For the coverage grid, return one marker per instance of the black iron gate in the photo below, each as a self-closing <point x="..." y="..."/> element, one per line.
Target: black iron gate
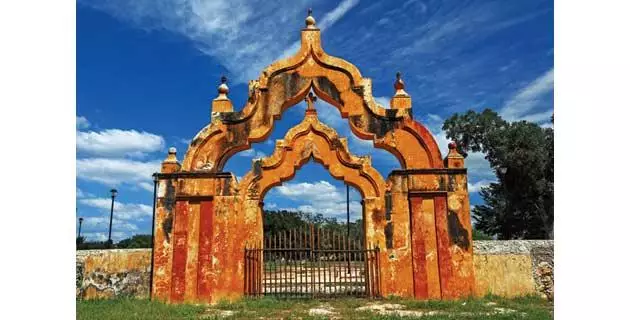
<point x="312" y="262"/>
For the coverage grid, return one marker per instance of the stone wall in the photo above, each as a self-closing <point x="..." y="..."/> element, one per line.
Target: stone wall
<point x="505" y="268"/>
<point x="116" y="272"/>
<point x="513" y="268"/>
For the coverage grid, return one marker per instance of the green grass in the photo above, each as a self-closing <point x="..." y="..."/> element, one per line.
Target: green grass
<point x="270" y="308"/>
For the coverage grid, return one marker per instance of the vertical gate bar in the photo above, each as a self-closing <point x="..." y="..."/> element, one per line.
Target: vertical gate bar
<point x="327" y="256"/>
<point x="368" y="271"/>
<point x="283" y="246"/>
<point x="290" y="264"/>
<point x="301" y="236"/>
<point x="305" y="265"/>
<point x="312" y="261"/>
<point x="266" y="264"/>
<point x="347" y="260"/>
<point x="275" y="267"/>
<point x="285" y="260"/>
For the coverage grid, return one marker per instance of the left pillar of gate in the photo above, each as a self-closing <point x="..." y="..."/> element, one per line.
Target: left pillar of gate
<point x="199" y="237"/>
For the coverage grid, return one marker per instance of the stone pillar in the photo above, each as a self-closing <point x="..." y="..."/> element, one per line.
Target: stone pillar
<point x="163" y="242"/>
<point x="455" y="232"/>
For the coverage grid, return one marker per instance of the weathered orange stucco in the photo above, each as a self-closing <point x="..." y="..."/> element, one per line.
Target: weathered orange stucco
<point x="205" y="217"/>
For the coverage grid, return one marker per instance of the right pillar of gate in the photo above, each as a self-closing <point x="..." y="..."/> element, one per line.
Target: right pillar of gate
<point x="434" y="240"/>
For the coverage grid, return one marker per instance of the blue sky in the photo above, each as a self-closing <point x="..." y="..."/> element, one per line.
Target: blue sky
<point x="147" y="71"/>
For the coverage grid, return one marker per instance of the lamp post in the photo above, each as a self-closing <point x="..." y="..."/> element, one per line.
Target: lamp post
<point x="80" y="223"/>
<point x="114" y="192"/>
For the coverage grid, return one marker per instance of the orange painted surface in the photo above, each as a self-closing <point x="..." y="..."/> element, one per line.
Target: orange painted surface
<point x="420" y="278"/>
<point x="200" y="238"/>
<point x="204" y="285"/>
<point x="180" y="251"/>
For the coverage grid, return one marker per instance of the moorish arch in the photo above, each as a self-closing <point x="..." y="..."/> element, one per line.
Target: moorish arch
<point x="418" y="215"/>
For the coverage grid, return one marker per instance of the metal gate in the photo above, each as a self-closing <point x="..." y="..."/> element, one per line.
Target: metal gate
<point x="312" y="262"/>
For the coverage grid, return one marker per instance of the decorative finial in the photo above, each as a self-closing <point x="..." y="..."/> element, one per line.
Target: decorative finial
<point x="310" y="21"/>
<point x="452" y="145"/>
<point x="399" y="85"/>
<point x="310" y="102"/>
<point x="172" y="156"/>
<point x="223" y="88"/>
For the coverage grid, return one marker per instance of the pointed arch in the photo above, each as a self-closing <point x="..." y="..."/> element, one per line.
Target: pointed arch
<point x="285" y="83"/>
<point x="308" y="140"/>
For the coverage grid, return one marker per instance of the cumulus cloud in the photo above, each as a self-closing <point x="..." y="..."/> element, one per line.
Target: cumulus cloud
<point x="82" y="122"/>
<point x="118" y="143"/>
<point x="319" y="197"/>
<point x="113" y="172"/>
<point x="123" y="211"/>
<point x="242" y="35"/>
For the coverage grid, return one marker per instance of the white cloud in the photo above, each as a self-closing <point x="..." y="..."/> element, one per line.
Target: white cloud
<point x="319" y="197"/>
<point x="102" y="236"/>
<point x="146" y="186"/>
<point x="117" y="143"/>
<point x="101" y="223"/>
<point x="113" y="172"/>
<point x="122" y="211"/>
<point x="528" y="98"/>
<point x="318" y="191"/>
<point x="253" y="153"/>
<point x="80" y="193"/>
<point x="82" y="122"/>
<point x="476" y="187"/>
<point x="327" y="21"/>
<point x="243" y="35"/>
<point x="383" y="101"/>
<point x="331" y="17"/>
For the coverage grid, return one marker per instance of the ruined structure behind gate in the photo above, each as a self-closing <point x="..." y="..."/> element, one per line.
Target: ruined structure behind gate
<point x="418" y="216"/>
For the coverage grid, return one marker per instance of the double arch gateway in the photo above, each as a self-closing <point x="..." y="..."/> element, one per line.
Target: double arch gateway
<point x="205" y="217"/>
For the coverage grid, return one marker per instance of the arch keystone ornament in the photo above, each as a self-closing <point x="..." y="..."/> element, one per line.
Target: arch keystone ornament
<point x="419" y="216"/>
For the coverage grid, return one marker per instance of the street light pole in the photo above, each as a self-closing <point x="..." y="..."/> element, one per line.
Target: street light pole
<point x="114" y="192"/>
<point x="80" y="223"/>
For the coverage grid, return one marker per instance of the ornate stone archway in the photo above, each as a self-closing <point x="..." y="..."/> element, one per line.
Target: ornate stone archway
<point x="419" y="215"/>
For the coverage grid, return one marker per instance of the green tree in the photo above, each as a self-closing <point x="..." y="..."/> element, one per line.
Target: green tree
<point x="520" y="204"/>
<point x="136" y="241"/>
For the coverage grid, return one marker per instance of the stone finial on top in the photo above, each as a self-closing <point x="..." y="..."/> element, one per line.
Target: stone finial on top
<point x="222" y="103"/>
<point x="172" y="155"/>
<point x="310" y="103"/>
<point x="170" y="164"/>
<point x="223" y="89"/>
<point x="454" y="159"/>
<point x="310" y="21"/>
<point x="401" y="99"/>
<point x="399" y="85"/>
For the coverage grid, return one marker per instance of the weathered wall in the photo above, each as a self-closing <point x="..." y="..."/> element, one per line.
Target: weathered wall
<point x="513" y="268"/>
<point x="506" y="268"/>
<point x="116" y="272"/>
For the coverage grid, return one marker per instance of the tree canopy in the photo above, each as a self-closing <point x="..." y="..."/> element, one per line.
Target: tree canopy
<point x="520" y="204"/>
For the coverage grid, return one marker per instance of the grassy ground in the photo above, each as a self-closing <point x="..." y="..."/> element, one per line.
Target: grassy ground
<point x="268" y="308"/>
